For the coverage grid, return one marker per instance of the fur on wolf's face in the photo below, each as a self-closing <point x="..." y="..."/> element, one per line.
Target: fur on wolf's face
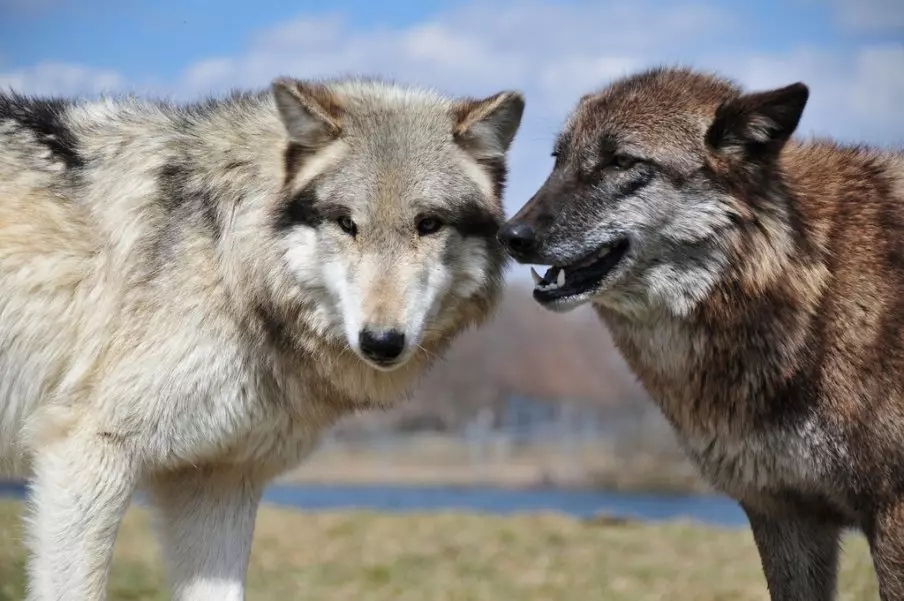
<point x="644" y="195"/>
<point x="392" y="205"/>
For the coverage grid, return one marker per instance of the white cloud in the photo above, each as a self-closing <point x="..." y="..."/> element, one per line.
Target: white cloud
<point x="568" y="79"/>
<point x="476" y="46"/>
<point x="61" y="79"/>
<point x="879" y="86"/>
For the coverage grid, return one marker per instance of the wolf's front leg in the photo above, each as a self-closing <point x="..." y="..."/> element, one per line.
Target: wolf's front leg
<point x="81" y="488"/>
<point x="799" y="556"/>
<point x="886" y="539"/>
<point x="205" y="523"/>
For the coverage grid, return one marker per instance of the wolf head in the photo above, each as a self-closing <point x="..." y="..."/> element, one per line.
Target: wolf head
<point x="652" y="176"/>
<point x="390" y="210"/>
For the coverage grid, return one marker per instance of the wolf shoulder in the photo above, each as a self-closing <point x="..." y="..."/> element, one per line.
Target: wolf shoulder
<point x="85" y="294"/>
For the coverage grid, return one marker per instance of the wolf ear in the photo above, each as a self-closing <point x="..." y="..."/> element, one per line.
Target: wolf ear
<point x="485" y="128"/>
<point x="309" y="111"/>
<point x="758" y="123"/>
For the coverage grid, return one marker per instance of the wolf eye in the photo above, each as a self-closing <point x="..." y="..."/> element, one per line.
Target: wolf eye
<point x="428" y="225"/>
<point x="623" y="161"/>
<point x="348" y="226"/>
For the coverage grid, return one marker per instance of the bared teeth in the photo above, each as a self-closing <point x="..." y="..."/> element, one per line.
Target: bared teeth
<point x="555" y="278"/>
<point x="557" y="282"/>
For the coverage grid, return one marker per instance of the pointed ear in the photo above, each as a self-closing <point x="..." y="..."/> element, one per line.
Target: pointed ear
<point x="758" y="123"/>
<point x="310" y="112"/>
<point x="485" y="128"/>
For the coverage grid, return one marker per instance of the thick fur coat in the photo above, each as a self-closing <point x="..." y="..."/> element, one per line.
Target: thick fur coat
<point x="754" y="282"/>
<point x="192" y="293"/>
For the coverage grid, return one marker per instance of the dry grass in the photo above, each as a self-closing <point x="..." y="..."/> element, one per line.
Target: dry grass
<point x="462" y="557"/>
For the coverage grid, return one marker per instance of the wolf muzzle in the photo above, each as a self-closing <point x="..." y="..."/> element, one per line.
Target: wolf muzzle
<point x="519" y="240"/>
<point x="383" y="347"/>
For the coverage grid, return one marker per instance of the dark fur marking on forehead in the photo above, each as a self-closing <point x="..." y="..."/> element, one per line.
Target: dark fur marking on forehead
<point x="44" y="119"/>
<point x="300" y="209"/>
<point x="471" y="219"/>
<point x="187" y="199"/>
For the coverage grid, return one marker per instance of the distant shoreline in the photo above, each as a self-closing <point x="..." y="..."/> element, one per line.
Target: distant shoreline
<point x="614" y="483"/>
<point x="441" y="462"/>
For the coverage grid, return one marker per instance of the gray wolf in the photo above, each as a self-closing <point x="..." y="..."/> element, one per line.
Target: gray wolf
<point x="191" y="293"/>
<point x="754" y="282"/>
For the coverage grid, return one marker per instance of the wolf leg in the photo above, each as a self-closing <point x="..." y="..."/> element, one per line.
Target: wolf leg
<point x="799" y="556"/>
<point x="82" y="486"/>
<point x="205" y="523"/>
<point x="886" y="540"/>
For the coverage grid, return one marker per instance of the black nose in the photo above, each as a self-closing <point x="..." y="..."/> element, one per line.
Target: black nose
<point x="381" y="346"/>
<point x="519" y="238"/>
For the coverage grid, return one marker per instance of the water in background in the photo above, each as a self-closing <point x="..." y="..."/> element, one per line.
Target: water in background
<point x="709" y="509"/>
<point x="714" y="510"/>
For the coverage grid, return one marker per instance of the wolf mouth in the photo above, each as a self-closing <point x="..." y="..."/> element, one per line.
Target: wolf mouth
<point x="561" y="281"/>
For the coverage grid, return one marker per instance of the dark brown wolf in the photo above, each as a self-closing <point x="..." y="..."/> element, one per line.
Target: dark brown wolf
<point x="755" y="284"/>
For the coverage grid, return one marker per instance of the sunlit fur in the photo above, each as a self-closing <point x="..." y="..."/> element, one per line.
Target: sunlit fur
<point x="180" y="308"/>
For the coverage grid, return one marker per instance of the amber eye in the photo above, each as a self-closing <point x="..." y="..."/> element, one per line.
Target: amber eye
<point x="348" y="226"/>
<point x="428" y="225"/>
<point x="623" y="161"/>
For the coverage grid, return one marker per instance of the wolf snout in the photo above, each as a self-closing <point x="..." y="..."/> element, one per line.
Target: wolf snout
<point x="381" y="346"/>
<point x="519" y="239"/>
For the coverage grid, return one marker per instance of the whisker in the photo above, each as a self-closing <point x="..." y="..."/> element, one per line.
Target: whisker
<point x="433" y="355"/>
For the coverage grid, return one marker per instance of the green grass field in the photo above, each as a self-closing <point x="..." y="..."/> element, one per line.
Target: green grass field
<point x="461" y="557"/>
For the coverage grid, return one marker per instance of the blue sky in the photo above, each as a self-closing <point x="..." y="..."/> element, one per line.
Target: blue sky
<point x="146" y="39"/>
<point x="850" y="52"/>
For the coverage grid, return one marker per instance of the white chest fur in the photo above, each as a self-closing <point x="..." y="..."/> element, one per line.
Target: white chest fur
<point x="795" y="456"/>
